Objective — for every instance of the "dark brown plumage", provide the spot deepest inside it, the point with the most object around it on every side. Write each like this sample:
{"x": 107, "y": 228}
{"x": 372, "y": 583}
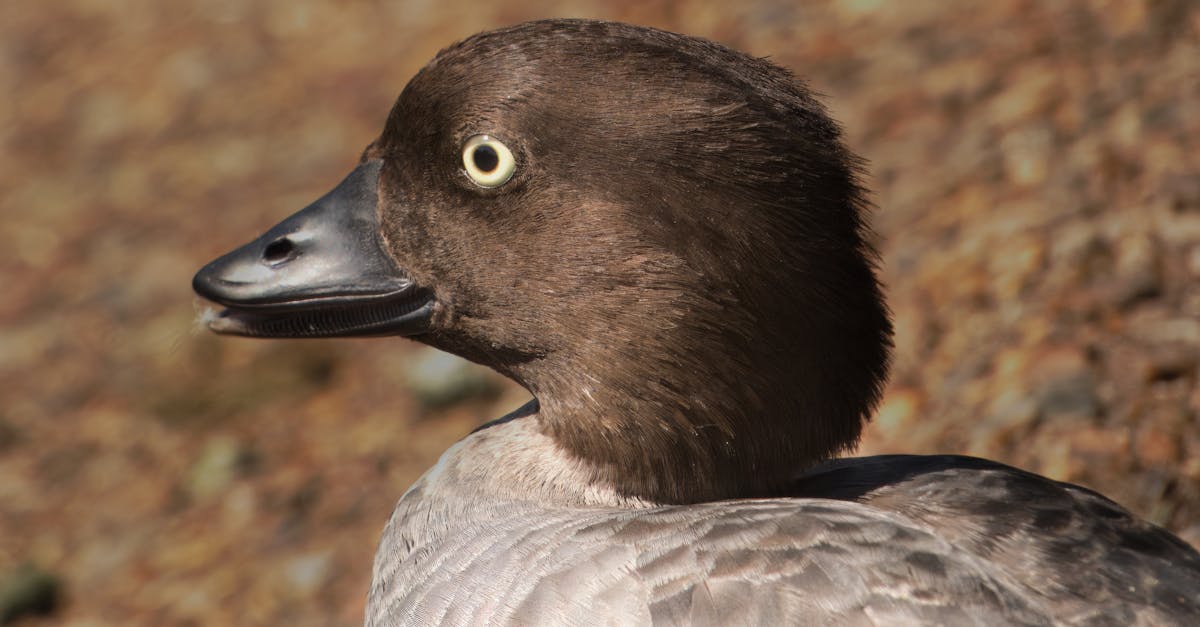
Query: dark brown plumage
{"x": 646, "y": 218}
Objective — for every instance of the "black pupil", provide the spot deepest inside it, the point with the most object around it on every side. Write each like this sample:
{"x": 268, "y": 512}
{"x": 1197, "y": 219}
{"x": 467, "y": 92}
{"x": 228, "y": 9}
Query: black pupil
{"x": 486, "y": 158}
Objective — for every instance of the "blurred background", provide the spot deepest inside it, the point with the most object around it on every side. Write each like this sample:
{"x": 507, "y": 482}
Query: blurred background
{"x": 1036, "y": 167}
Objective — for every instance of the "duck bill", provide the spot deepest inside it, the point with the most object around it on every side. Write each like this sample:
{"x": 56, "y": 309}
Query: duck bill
{"x": 323, "y": 272}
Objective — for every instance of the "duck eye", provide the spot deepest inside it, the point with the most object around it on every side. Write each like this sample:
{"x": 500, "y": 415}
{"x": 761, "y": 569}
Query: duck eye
{"x": 488, "y": 161}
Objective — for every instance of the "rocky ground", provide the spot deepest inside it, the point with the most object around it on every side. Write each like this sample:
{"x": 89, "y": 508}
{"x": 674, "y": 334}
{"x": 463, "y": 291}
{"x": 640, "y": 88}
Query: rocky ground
{"x": 1036, "y": 166}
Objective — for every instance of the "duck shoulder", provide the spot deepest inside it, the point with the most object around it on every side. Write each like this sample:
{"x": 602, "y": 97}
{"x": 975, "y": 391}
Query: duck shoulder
{"x": 1089, "y": 557}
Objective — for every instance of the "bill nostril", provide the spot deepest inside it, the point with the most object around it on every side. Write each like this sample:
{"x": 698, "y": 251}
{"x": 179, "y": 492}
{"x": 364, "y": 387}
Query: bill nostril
{"x": 279, "y": 251}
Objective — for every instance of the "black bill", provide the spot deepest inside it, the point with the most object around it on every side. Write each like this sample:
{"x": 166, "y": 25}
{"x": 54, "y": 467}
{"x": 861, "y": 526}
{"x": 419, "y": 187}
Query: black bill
{"x": 323, "y": 272}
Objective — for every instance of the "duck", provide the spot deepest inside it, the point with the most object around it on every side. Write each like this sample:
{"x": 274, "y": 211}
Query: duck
{"x": 666, "y": 242}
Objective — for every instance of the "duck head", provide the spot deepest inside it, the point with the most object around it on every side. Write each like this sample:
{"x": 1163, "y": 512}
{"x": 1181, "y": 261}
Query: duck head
{"x": 662, "y": 239}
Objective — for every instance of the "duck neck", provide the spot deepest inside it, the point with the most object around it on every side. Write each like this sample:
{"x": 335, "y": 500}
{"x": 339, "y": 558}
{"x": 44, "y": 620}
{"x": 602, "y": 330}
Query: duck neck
{"x": 649, "y": 432}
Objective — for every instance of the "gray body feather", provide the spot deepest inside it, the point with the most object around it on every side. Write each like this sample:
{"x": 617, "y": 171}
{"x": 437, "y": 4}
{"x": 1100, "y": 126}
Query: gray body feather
{"x": 507, "y": 530}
